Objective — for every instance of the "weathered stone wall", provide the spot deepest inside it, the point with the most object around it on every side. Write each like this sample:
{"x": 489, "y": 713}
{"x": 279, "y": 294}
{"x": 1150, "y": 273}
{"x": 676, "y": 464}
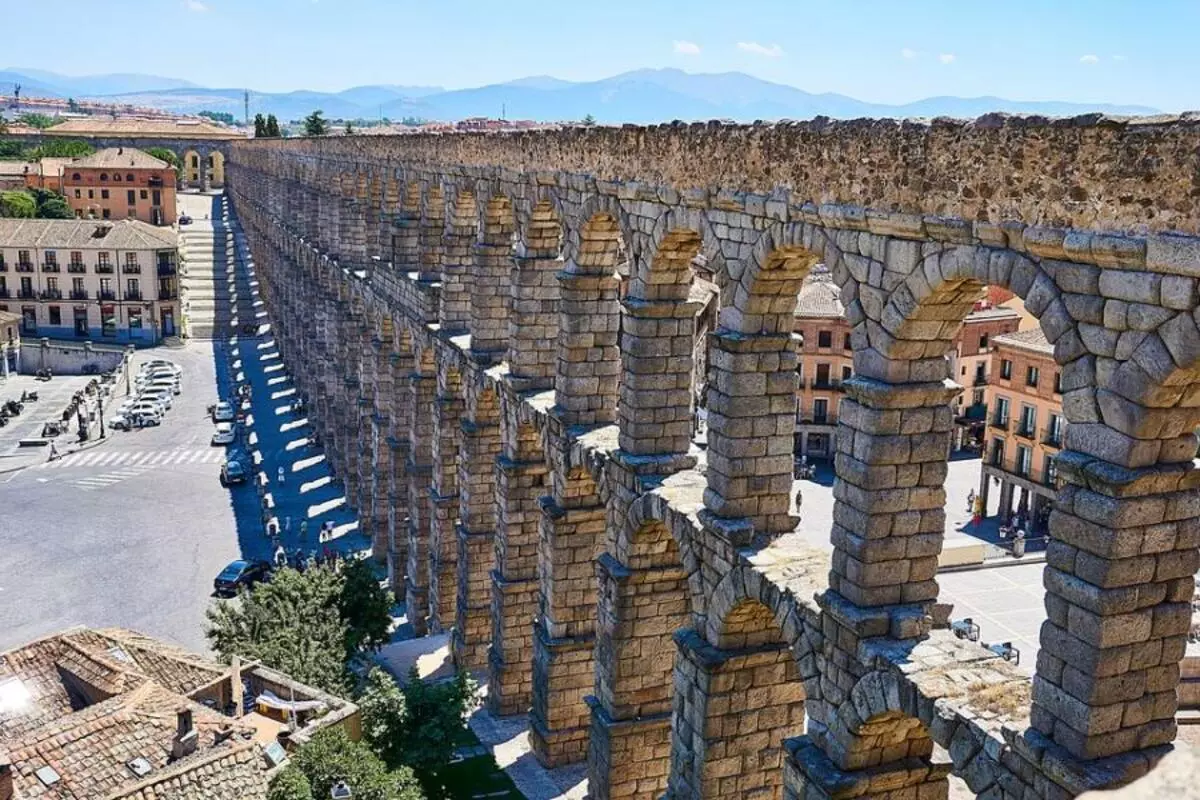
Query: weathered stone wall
{"x": 651, "y": 606}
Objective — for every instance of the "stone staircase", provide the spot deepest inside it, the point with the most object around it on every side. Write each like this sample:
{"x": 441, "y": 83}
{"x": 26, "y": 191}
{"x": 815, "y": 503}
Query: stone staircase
{"x": 216, "y": 295}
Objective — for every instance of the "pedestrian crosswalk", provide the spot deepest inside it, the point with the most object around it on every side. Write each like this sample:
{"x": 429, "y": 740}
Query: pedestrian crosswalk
{"x": 150, "y": 459}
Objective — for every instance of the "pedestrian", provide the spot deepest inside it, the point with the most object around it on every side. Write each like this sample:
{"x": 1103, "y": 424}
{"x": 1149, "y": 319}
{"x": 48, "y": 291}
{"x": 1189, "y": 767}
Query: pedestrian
{"x": 53, "y": 452}
{"x": 287, "y": 525}
{"x": 304, "y": 531}
{"x": 280, "y": 557}
{"x": 971, "y": 500}
{"x": 279, "y": 475}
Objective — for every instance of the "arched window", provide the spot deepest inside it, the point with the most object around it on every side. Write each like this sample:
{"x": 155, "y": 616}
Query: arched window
{"x": 75, "y": 177}
{"x": 129, "y": 177}
{"x": 117, "y": 177}
{"x": 103, "y": 176}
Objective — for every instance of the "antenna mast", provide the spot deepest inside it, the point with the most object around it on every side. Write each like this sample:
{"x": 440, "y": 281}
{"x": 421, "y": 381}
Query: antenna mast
{"x": 246, "y": 100}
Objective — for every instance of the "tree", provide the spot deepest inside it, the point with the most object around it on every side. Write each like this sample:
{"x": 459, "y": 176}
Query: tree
{"x": 349, "y": 128}
{"x": 39, "y": 121}
{"x": 419, "y": 724}
{"x": 72, "y": 105}
{"x": 260, "y": 126}
{"x": 589, "y": 121}
{"x": 330, "y": 757}
{"x": 51, "y": 205}
{"x": 315, "y": 124}
{"x": 18, "y": 203}
{"x": 63, "y": 148}
{"x": 218, "y": 116}
{"x": 273, "y": 127}
{"x": 311, "y": 625}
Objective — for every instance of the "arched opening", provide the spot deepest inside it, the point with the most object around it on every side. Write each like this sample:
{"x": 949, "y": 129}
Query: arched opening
{"x": 736, "y": 702}
{"x": 215, "y": 164}
{"x": 190, "y": 168}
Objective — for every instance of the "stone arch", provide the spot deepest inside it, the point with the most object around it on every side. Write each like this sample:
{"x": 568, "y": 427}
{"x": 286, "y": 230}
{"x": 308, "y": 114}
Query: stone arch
{"x": 191, "y": 165}
{"x": 739, "y": 696}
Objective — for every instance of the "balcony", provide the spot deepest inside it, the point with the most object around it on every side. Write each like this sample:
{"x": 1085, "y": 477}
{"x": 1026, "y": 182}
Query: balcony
{"x": 26, "y": 294}
{"x": 1026, "y": 431}
{"x": 981, "y": 380}
{"x": 4, "y": 294}
{"x": 48, "y": 267}
{"x": 24, "y": 266}
{"x": 1053, "y": 438}
{"x": 77, "y": 268}
{"x": 167, "y": 294}
{"x": 52, "y": 294}
{"x": 104, "y": 269}
{"x": 166, "y": 268}
{"x": 106, "y": 295}
{"x": 131, "y": 269}
{"x": 976, "y": 412}
{"x": 133, "y": 294}
{"x": 79, "y": 294}
{"x": 825, "y": 384}
{"x": 999, "y": 422}
{"x": 3, "y": 267}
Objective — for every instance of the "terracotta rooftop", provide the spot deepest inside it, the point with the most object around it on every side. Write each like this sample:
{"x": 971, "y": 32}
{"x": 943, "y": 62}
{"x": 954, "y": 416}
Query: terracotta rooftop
{"x": 121, "y": 157}
{"x": 150, "y": 128}
{"x": 1033, "y": 340}
{"x": 85, "y": 234}
{"x": 15, "y": 168}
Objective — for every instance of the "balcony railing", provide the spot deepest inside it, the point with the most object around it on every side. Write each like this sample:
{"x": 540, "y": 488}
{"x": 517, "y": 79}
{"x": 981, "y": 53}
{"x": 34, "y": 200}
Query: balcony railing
{"x": 166, "y": 268}
{"x": 5, "y": 294}
{"x": 999, "y": 422}
{"x": 48, "y": 267}
{"x": 133, "y": 294}
{"x": 825, "y": 384}
{"x": 52, "y": 294}
{"x": 167, "y": 294}
{"x": 79, "y": 294}
{"x": 981, "y": 380}
{"x": 1026, "y": 431}
{"x": 1053, "y": 438}
{"x": 104, "y": 269}
{"x": 26, "y": 294}
{"x": 24, "y": 266}
{"x": 3, "y": 267}
{"x": 77, "y": 268}
{"x": 131, "y": 269}
{"x": 106, "y": 295}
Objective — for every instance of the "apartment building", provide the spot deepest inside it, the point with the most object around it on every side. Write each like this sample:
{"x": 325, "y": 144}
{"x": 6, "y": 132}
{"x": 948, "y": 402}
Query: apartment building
{"x": 1025, "y": 428}
{"x": 121, "y": 183}
{"x": 10, "y": 344}
{"x": 90, "y": 279}
{"x": 971, "y": 367}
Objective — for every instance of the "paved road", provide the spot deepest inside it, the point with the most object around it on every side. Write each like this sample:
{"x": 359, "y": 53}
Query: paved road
{"x": 132, "y": 532}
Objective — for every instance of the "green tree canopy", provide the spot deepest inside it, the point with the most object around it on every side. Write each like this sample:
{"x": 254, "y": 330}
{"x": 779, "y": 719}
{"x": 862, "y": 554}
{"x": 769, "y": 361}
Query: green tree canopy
{"x": 164, "y": 154}
{"x": 273, "y": 127}
{"x": 419, "y": 724}
{"x": 51, "y": 205}
{"x": 330, "y": 757}
{"x": 315, "y": 124}
{"x": 62, "y": 148}
{"x": 39, "y": 121}
{"x": 260, "y": 126}
{"x": 218, "y": 116}
{"x": 349, "y": 131}
{"x": 18, "y": 203}
{"x": 310, "y": 625}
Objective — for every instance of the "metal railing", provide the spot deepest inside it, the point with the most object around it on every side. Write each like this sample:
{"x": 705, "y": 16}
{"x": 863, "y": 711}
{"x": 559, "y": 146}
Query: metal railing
{"x": 79, "y": 294}
{"x": 999, "y": 422}
{"x": 52, "y": 294}
{"x": 26, "y": 294}
{"x": 24, "y": 266}
{"x": 78, "y": 268}
{"x": 165, "y": 294}
{"x": 981, "y": 380}
{"x": 48, "y": 267}
{"x": 166, "y": 268}
{"x": 103, "y": 295}
{"x": 1026, "y": 431}
{"x": 131, "y": 269}
{"x": 133, "y": 294}
{"x": 104, "y": 269}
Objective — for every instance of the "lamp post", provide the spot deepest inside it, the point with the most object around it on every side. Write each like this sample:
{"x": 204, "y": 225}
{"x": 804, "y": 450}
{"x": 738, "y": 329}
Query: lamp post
{"x": 100, "y": 408}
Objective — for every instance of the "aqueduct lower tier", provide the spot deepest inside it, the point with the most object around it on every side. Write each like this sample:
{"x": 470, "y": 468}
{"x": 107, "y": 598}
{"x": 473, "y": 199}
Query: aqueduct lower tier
{"x": 513, "y": 423}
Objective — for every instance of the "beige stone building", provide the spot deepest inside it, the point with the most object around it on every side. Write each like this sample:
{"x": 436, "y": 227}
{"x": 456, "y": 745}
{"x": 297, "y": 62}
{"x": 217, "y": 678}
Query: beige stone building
{"x": 90, "y": 279}
{"x": 121, "y": 183}
{"x": 10, "y": 343}
{"x": 112, "y": 713}
{"x": 1025, "y": 428}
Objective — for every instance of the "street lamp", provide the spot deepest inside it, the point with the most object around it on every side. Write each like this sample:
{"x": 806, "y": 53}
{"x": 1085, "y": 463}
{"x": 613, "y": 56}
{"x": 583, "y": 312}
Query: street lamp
{"x": 340, "y": 791}
{"x": 100, "y": 408}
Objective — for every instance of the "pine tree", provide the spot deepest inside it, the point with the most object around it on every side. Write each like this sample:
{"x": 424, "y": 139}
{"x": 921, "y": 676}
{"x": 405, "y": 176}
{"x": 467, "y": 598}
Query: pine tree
{"x": 260, "y": 126}
{"x": 273, "y": 127}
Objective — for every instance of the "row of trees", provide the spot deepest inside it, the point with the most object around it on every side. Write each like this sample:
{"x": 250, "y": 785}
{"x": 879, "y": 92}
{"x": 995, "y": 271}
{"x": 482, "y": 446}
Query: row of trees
{"x": 320, "y": 626}
{"x": 34, "y": 204}
{"x": 53, "y": 148}
{"x": 266, "y": 127}
{"x": 218, "y": 116}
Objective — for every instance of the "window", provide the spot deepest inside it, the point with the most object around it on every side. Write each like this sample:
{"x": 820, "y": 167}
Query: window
{"x": 78, "y": 194}
{"x": 117, "y": 177}
{"x": 977, "y": 397}
{"x": 104, "y": 194}
{"x": 108, "y": 320}
{"x": 825, "y": 339}
{"x": 980, "y": 373}
{"x": 1001, "y": 417}
{"x": 23, "y": 257}
{"x": 131, "y": 289}
{"x": 129, "y": 177}
{"x": 102, "y": 258}
{"x": 52, "y": 284}
{"x": 51, "y": 258}
{"x": 1054, "y": 430}
{"x": 1006, "y": 369}
{"x": 1050, "y": 471}
{"x": 144, "y": 195}
{"x": 846, "y": 342}
{"x": 106, "y": 289}
{"x": 55, "y": 316}
{"x": 81, "y": 321}
{"x": 1024, "y": 460}
{"x": 983, "y": 342}
{"x": 75, "y": 177}
{"x": 77, "y": 290}
{"x": 157, "y": 200}
{"x": 131, "y": 196}
{"x": 91, "y": 194}
{"x": 1028, "y": 421}
{"x": 1031, "y": 376}
{"x": 106, "y": 214}
{"x": 28, "y": 319}
{"x": 1058, "y": 383}
{"x": 135, "y": 319}
{"x": 131, "y": 259}
{"x": 820, "y": 411}
{"x": 104, "y": 176}
{"x": 195, "y": 162}
{"x": 997, "y": 459}
{"x": 847, "y": 372}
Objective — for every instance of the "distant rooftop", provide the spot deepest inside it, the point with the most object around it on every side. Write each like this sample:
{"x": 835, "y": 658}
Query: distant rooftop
{"x": 120, "y": 157}
{"x": 85, "y": 234}
{"x": 150, "y": 128}
{"x": 1033, "y": 340}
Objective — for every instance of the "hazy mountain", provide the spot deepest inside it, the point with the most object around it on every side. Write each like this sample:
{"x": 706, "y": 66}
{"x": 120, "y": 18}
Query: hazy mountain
{"x": 643, "y": 96}
{"x": 98, "y": 85}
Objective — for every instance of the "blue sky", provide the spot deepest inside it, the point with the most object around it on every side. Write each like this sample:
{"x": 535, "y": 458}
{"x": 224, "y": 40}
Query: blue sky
{"x": 885, "y": 51}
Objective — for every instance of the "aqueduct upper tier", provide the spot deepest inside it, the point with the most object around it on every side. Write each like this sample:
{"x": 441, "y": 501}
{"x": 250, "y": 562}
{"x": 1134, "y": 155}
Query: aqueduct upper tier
{"x": 503, "y": 346}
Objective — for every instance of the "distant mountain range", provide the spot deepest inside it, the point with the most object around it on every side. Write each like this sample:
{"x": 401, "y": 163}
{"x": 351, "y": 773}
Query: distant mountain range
{"x": 641, "y": 96}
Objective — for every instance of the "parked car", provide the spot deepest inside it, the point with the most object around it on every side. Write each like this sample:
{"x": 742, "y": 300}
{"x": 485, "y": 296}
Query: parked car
{"x": 166, "y": 384}
{"x": 223, "y": 412}
{"x": 224, "y": 434}
{"x": 157, "y": 376}
{"x": 147, "y": 409}
{"x": 240, "y": 574}
{"x": 120, "y": 422}
{"x": 233, "y": 472}
{"x": 162, "y": 363}
{"x": 160, "y": 396}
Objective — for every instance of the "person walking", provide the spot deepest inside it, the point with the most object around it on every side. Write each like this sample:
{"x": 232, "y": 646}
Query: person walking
{"x": 304, "y": 531}
{"x": 279, "y": 475}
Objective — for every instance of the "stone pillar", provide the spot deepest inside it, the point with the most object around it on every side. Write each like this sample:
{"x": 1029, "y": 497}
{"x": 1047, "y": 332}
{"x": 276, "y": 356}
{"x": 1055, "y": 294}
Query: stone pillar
{"x": 351, "y": 246}
{"x": 489, "y": 284}
{"x": 477, "y": 526}
{"x": 444, "y": 501}
{"x": 422, "y": 388}
{"x": 534, "y": 295}
{"x": 373, "y": 200}
{"x": 458, "y": 261}
{"x": 812, "y": 775}
{"x": 432, "y": 228}
{"x": 520, "y": 482}
{"x": 203, "y": 155}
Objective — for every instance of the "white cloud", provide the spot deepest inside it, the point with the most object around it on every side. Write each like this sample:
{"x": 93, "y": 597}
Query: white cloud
{"x": 769, "y": 51}
{"x": 1120, "y": 58}
{"x": 195, "y": 5}
{"x": 947, "y": 58}
{"x": 1089, "y": 59}
{"x": 908, "y": 52}
{"x": 685, "y": 48}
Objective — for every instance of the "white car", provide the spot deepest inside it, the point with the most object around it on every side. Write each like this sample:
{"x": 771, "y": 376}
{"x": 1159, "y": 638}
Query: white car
{"x": 163, "y": 384}
{"x": 160, "y": 396}
{"x": 156, "y": 377}
{"x": 224, "y": 434}
{"x": 155, "y": 364}
{"x": 223, "y": 412}
{"x": 147, "y": 411}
